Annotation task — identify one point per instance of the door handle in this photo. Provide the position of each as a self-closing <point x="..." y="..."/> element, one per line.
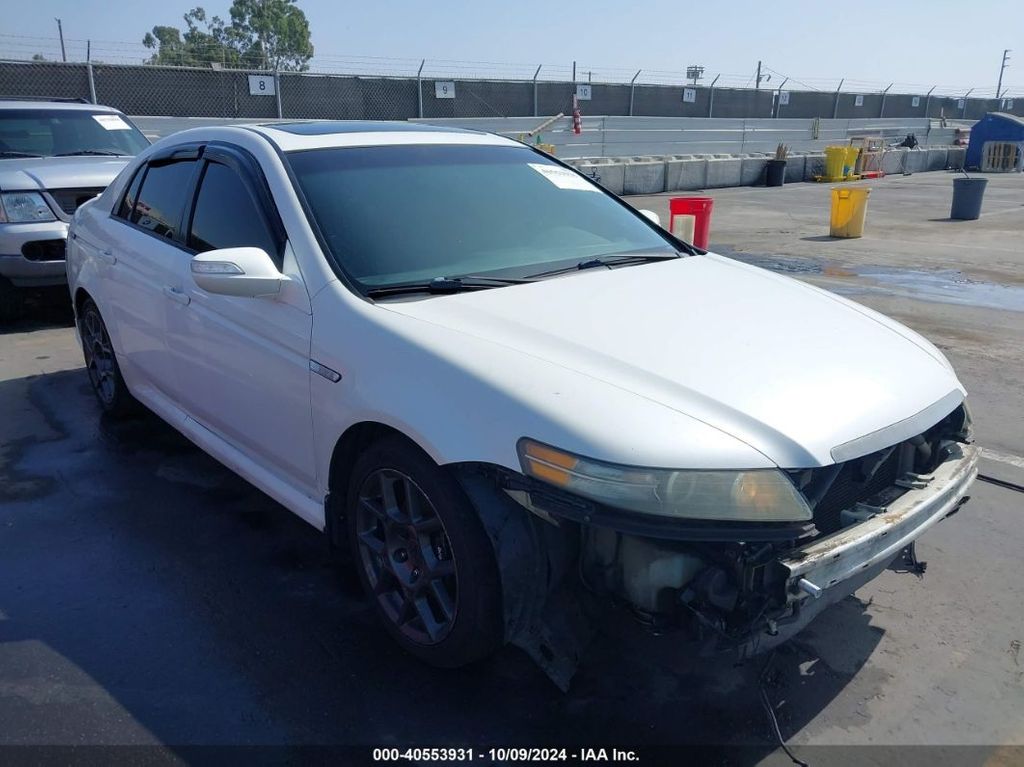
<point x="176" y="295"/>
<point x="107" y="257"/>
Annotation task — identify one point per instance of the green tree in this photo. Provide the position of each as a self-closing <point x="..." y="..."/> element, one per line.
<point x="265" y="34"/>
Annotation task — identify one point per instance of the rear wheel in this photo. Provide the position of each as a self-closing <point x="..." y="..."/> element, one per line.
<point x="423" y="556"/>
<point x="101" y="364"/>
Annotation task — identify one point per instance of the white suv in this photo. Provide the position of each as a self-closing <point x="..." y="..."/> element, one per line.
<point x="521" y="406"/>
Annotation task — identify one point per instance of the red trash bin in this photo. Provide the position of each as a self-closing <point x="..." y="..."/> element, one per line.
<point x="698" y="210"/>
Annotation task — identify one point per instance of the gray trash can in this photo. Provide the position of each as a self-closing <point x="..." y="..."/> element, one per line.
<point x="967" y="194"/>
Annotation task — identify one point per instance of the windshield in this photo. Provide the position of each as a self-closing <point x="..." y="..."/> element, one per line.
<point x="397" y="214"/>
<point x="55" y="132"/>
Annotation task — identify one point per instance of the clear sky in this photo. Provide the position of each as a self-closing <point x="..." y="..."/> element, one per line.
<point x="956" y="45"/>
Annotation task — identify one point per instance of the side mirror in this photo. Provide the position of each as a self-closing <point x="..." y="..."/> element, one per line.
<point x="652" y="216"/>
<point x="237" y="272"/>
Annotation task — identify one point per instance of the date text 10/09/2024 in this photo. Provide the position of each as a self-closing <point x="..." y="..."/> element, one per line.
<point x="510" y="754"/>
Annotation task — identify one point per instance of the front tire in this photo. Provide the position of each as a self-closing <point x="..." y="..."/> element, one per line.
<point x="423" y="556"/>
<point x="101" y="364"/>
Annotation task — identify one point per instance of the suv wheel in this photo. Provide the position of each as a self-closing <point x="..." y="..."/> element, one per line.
<point x="423" y="556"/>
<point x="101" y="363"/>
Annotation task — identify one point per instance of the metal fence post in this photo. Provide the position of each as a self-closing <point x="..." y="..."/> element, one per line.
<point x="632" y="85"/>
<point x="835" y="105"/>
<point x="419" y="89"/>
<point x="881" y="109"/>
<point x="963" y="110"/>
<point x="277" y="92"/>
<point x="928" y="101"/>
<point x="778" y="98"/>
<point x="92" y="82"/>
<point x="535" y="76"/>
<point x="711" y="95"/>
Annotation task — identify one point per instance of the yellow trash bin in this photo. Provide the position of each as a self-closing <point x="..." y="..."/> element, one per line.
<point x="835" y="159"/>
<point x="850" y="166"/>
<point x="849" y="208"/>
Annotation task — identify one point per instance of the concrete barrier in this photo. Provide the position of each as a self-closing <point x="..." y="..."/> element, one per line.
<point x="955" y="157"/>
<point x="646" y="176"/>
<point x="917" y="160"/>
<point x="893" y="161"/>
<point x="723" y="170"/>
<point x="814" y="165"/>
<point x="752" y="169"/>
<point x="609" y="174"/>
<point x="685" y="173"/>
<point x="937" y="157"/>
<point x="795" y="165"/>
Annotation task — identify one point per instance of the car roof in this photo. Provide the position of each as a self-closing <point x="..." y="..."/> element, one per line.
<point x="322" y="134"/>
<point x="28" y="105"/>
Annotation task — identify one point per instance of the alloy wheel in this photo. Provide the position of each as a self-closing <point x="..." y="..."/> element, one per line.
<point x="99" y="356"/>
<point x="406" y="556"/>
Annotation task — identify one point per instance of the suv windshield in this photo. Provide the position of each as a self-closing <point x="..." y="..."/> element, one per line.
<point x="398" y="214"/>
<point x="57" y="132"/>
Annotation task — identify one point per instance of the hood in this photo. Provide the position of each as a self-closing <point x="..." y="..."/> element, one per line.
<point x="23" y="174"/>
<point x="797" y="373"/>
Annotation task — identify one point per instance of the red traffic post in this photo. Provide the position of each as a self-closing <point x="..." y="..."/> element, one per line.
<point x="689" y="219"/>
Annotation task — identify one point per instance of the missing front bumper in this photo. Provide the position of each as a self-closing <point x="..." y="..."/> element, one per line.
<point x="826" y="564"/>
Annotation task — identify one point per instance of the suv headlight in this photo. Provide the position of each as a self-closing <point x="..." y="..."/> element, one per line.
<point x="24" y="208"/>
<point x="757" y="495"/>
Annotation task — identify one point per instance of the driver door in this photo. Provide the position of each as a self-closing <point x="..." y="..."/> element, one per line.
<point x="242" y="364"/>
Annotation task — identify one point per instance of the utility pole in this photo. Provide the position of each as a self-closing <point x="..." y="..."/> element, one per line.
<point x="757" y="82"/>
<point x="64" y="55"/>
<point x="999" y="86"/>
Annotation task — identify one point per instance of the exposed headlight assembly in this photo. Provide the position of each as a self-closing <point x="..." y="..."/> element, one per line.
<point x="24" y="208"/>
<point x="758" y="495"/>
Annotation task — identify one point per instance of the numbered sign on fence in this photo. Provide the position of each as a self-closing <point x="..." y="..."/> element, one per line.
<point x="960" y="103"/>
<point x="583" y="92"/>
<point x="690" y="95"/>
<point x="444" y="89"/>
<point x="261" y="85"/>
<point x="783" y="98"/>
<point x="916" y="101"/>
<point x="859" y="100"/>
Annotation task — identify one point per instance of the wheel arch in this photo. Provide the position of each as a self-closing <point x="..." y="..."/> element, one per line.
<point x="355" y="439"/>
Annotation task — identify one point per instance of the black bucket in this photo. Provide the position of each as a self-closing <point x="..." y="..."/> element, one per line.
<point x="967" y="195"/>
<point x="775" y="173"/>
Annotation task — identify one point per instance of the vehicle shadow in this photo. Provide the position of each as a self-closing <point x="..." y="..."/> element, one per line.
<point x="199" y="611"/>
<point x="43" y="308"/>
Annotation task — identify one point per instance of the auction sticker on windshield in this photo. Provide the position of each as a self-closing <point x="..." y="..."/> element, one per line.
<point x="111" y="122"/>
<point x="563" y="178"/>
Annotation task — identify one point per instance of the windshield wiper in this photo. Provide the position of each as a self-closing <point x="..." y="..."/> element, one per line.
<point x="11" y="153"/>
<point x="606" y="261"/>
<point x="444" y="285"/>
<point x="103" y="152"/>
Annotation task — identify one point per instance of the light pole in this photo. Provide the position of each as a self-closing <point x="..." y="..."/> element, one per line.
<point x="1002" y="68"/>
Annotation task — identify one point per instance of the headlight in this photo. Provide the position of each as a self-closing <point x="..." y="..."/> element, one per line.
<point x="758" y="495"/>
<point x="24" y="207"/>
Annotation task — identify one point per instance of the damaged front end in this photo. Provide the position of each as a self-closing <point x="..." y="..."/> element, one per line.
<point x="712" y="586"/>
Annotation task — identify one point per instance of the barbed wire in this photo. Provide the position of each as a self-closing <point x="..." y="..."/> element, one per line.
<point x="25" y="47"/>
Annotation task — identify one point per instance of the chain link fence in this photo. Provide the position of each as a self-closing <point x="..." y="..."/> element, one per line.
<point x="191" y="92"/>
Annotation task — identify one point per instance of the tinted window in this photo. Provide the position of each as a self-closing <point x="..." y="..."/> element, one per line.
<point x="49" y="132"/>
<point x="127" y="205"/>
<point x="394" y="214"/>
<point x="226" y="216"/>
<point x="162" y="197"/>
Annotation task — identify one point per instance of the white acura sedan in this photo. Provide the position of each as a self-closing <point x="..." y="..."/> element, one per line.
<point x="521" y="407"/>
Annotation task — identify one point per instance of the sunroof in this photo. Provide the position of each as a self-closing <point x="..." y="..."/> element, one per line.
<point x="326" y="127"/>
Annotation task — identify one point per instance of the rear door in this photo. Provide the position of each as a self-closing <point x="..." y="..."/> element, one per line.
<point x="143" y="256"/>
<point x="242" y="364"/>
